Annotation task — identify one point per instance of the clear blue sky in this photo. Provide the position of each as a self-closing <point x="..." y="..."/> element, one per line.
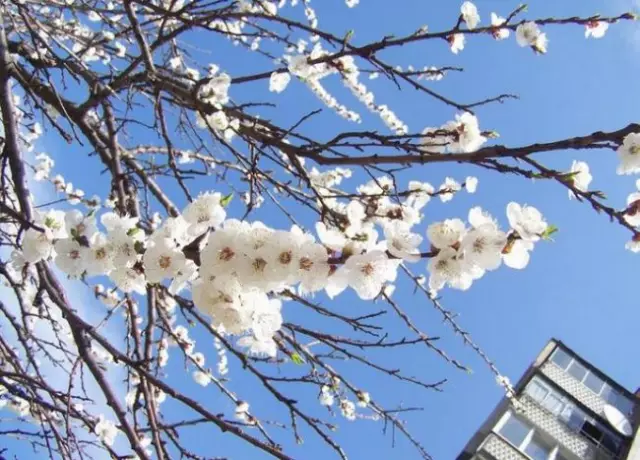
<point x="581" y="288"/>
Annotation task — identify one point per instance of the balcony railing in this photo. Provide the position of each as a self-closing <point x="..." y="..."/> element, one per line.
<point x="574" y="387"/>
<point x="499" y="448"/>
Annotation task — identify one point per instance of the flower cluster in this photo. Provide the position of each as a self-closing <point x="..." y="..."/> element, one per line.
<point x="461" y="135"/>
<point x="466" y="254"/>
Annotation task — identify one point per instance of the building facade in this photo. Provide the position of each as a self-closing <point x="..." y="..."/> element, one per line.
<point x="564" y="409"/>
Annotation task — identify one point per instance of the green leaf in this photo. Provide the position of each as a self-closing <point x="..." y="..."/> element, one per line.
<point x="224" y="202"/>
<point x="297" y="359"/>
<point x="133" y="231"/>
<point x="546" y="235"/>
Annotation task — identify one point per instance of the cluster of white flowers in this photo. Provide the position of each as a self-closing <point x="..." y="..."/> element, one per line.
<point x="466" y="254"/>
<point x="243" y="265"/>
<point x="215" y="92"/>
<point x="461" y="135"/>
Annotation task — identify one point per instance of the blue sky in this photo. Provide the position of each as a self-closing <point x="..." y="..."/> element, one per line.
<point x="580" y="288"/>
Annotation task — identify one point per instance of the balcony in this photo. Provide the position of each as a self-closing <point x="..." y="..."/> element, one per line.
<point x="555" y="428"/>
<point x="498" y="448"/>
<point x="574" y="387"/>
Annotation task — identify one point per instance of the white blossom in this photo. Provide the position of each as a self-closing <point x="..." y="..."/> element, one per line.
<point x="401" y="242"/>
<point x="516" y="254"/>
<point x="129" y="280"/>
<point x="448" y="188"/>
<point x="70" y="257"/>
<point x="43" y="167"/>
<point x="629" y="154"/>
<point x="421" y="193"/>
<point x="446" y="233"/>
<point x="483" y="246"/>
<point x="348" y="409"/>
<point x="37" y="245"/>
<point x="326" y="396"/>
<point x="201" y="378"/>
<point x="526" y="220"/>
<point x="99" y="258"/>
<point x="365" y="273"/>
<point x="205" y="212"/>
<point x="632" y="213"/>
<point x="580" y="177"/>
<point x="465" y="135"/>
<point x="456" y="42"/>
<point x="529" y="34"/>
<point x="79" y="225"/>
<point x="470" y="14"/>
<point x="278" y="81"/>
<point x="448" y="268"/>
<point x="106" y="431"/>
<point x="498" y="32"/>
<point x="471" y="184"/>
<point x="595" y="29"/>
<point x="162" y="260"/>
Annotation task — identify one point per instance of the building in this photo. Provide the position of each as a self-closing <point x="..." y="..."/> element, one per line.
<point x="565" y="409"/>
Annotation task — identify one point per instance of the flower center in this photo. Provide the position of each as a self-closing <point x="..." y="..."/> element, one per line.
<point x="285" y="257"/>
<point x="479" y="244"/>
<point x="306" y="264"/>
<point x="259" y="264"/>
<point x="164" y="261"/>
<point x="635" y="149"/>
<point x="368" y="269"/>
<point x="75" y="254"/>
<point x="226" y="254"/>
<point x="100" y="254"/>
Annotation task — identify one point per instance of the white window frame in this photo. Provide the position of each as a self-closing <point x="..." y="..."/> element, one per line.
<point x="555" y="448"/>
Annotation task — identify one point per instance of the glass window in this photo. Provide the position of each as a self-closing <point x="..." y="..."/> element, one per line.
<point x="611" y="442"/>
<point x="594" y="382"/>
<point x="537" y="449"/>
<point x="515" y="430"/>
<point x="553" y="403"/>
<point x="592" y="431"/>
<point x="624" y="404"/>
<point x="577" y="370"/>
<point x="573" y="416"/>
<point x="609" y="394"/>
<point x="536" y="390"/>
<point x="561" y="358"/>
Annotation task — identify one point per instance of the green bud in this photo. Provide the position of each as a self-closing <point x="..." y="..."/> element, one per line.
<point x="297" y="359"/>
<point x="546" y="235"/>
<point x="224" y="202"/>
